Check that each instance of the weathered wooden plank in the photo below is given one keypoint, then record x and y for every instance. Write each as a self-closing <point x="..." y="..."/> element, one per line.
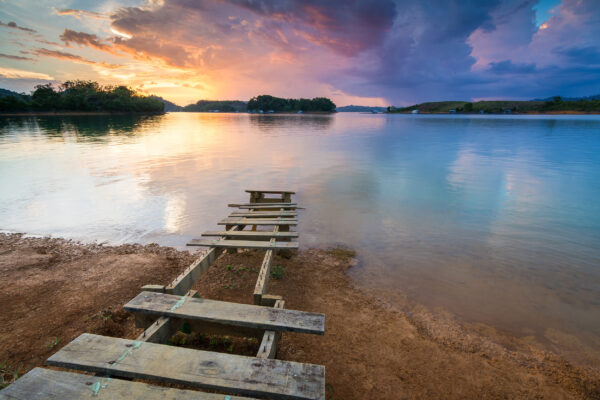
<point x="225" y="313"/>
<point x="256" y="221"/>
<point x="250" y="234"/>
<point x="268" y="345"/>
<point x="264" y="214"/>
<point x="263" y="277"/>
<point x="247" y="376"/>
<point x="270" y="191"/>
<point x="244" y="244"/>
<point x="47" y="384"/>
<point x="184" y="282"/>
<point x="161" y="329"/>
<point x="269" y="300"/>
<point x="261" y="205"/>
<point x="267" y="208"/>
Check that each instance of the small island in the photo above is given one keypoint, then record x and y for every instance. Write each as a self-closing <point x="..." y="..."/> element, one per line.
<point x="271" y="104"/>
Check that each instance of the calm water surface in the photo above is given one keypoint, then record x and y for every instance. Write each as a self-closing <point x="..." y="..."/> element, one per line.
<point x="495" y="218"/>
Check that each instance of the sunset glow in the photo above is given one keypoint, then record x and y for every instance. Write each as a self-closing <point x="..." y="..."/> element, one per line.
<point x="376" y="53"/>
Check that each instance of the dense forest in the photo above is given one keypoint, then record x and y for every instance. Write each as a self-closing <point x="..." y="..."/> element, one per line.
<point x="216" y="105"/>
<point x="80" y="96"/>
<point x="267" y="103"/>
<point x="553" y="105"/>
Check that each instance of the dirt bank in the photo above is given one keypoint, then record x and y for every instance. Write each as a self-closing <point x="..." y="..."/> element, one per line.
<point x="51" y="288"/>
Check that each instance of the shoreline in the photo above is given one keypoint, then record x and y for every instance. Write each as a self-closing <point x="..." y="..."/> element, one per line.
<point x="54" y="289"/>
<point x="512" y="113"/>
<point x="73" y="113"/>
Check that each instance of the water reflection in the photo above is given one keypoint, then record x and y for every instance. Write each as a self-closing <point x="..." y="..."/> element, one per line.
<point x="493" y="218"/>
<point x="270" y="124"/>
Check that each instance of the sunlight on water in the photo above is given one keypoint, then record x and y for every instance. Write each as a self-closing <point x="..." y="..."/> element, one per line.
<point x="495" y="218"/>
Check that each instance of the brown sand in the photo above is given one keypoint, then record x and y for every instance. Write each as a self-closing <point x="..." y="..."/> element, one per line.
<point x="52" y="288"/>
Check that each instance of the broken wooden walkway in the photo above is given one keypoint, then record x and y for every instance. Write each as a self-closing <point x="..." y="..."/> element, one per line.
<point x="162" y="309"/>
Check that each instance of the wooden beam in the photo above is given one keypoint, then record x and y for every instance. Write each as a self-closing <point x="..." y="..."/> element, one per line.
<point x="268" y="346"/>
<point x="246" y="376"/>
<point x="256" y="221"/>
<point x="44" y="384"/>
<point x="269" y="300"/>
<point x="260" y="205"/>
<point x="251" y="234"/>
<point x="264" y="214"/>
<point x="244" y="244"/>
<point x="162" y="329"/>
<point x="263" y="277"/>
<point x="270" y="191"/>
<point x="226" y="313"/>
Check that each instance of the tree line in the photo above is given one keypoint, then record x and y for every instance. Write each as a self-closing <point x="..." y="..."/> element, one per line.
<point x="267" y="103"/>
<point x="81" y="96"/>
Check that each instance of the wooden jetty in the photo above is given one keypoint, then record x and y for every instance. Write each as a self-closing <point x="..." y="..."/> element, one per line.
<point x="162" y="309"/>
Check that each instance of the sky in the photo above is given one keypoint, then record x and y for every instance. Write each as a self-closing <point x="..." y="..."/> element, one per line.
<point x="376" y="52"/>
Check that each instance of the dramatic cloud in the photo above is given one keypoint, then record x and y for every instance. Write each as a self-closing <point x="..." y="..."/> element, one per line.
<point x="82" y="38"/>
<point x="11" y="57"/>
<point x="379" y="51"/>
<point x="73" y="57"/>
<point x="13" y="25"/>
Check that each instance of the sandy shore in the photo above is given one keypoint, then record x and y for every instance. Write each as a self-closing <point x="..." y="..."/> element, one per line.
<point x="51" y="290"/>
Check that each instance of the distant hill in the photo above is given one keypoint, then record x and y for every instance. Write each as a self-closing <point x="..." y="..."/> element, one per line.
<point x="554" y="105"/>
<point x="216" y="105"/>
<point x="353" y="108"/>
<point x="169" y="107"/>
<point x="594" y="97"/>
<point x="6" y="92"/>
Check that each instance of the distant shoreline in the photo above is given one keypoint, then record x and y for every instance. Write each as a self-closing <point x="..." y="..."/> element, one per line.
<point x="512" y="113"/>
<point x="72" y="113"/>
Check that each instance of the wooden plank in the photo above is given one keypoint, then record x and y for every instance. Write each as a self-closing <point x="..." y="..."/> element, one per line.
<point x="249" y="234"/>
<point x="226" y="313"/>
<point x="269" y="300"/>
<point x="162" y="329"/>
<point x="266" y="208"/>
<point x="263" y="277"/>
<point x="253" y="221"/>
<point x="260" y="205"/>
<point x="264" y="214"/>
<point x="270" y="191"/>
<point x="244" y="244"/>
<point x="268" y="345"/>
<point x="184" y="282"/>
<point x="246" y="376"/>
<point x="47" y="384"/>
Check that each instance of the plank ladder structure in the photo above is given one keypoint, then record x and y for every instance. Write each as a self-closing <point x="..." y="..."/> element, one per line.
<point x="162" y="310"/>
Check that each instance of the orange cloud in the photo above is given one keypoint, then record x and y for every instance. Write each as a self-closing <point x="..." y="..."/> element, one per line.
<point x="79" y="13"/>
<point x="85" y="39"/>
<point x="73" y="57"/>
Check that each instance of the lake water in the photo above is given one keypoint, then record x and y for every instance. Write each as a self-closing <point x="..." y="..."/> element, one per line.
<point x="494" y="218"/>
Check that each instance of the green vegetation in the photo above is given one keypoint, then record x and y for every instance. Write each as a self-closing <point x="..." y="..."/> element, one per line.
<point x="555" y="105"/>
<point x="277" y="272"/>
<point x="216" y="106"/>
<point x="83" y="96"/>
<point x="268" y="103"/>
<point x="8" y="374"/>
<point x="52" y="343"/>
